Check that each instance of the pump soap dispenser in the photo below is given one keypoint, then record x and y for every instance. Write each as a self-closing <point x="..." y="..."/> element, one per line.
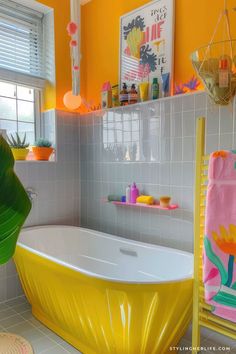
<point x="134" y="193"/>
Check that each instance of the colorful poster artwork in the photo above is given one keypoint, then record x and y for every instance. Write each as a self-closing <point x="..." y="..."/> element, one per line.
<point x="146" y="43"/>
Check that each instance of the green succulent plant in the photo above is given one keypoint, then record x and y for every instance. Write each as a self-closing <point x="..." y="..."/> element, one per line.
<point x="43" y="143"/>
<point x="17" y="142"/>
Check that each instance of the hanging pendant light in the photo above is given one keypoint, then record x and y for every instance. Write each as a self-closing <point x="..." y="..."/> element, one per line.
<point x="72" y="99"/>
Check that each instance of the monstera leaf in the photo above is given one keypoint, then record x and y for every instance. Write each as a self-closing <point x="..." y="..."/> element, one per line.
<point x="14" y="203"/>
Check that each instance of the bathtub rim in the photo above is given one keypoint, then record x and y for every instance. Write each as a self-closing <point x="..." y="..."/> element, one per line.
<point x="105" y="235"/>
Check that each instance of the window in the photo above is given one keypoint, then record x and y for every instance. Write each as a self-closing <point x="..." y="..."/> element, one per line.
<point x="21" y="39"/>
<point x="26" y="63"/>
<point x="19" y="110"/>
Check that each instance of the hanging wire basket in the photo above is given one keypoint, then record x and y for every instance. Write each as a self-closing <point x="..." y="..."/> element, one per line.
<point x="206" y="61"/>
<point x="215" y="59"/>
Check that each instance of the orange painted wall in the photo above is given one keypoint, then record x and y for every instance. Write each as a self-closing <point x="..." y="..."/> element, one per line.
<point x="195" y="22"/>
<point x="62" y="53"/>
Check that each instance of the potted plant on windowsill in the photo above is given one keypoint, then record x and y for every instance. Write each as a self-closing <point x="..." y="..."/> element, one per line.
<point x="42" y="149"/>
<point x="18" y="147"/>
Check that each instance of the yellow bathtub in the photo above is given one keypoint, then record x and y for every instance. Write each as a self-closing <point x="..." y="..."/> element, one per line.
<point x="104" y="294"/>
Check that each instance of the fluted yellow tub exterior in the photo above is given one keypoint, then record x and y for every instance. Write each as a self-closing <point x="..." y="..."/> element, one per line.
<point x="98" y="316"/>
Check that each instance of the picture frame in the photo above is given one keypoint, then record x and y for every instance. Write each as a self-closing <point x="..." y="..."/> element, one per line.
<point x="147" y="45"/>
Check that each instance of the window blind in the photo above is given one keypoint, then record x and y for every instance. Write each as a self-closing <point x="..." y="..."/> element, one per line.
<point x="21" y="39"/>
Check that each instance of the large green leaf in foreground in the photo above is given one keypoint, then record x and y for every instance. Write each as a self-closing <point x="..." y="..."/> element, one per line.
<point x="14" y="203"/>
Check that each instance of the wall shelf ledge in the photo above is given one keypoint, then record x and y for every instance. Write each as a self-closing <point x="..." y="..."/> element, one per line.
<point x="145" y="206"/>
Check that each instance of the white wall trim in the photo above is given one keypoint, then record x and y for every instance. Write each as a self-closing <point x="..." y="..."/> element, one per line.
<point x="23" y="79"/>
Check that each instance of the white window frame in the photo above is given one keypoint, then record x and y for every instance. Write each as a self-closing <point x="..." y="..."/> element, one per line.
<point x="37" y="106"/>
<point x="37" y="83"/>
<point x="21" y="79"/>
<point x="38" y="112"/>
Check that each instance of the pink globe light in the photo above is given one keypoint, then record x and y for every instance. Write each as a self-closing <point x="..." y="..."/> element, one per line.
<point x="72" y="28"/>
<point x="71" y="101"/>
<point x="73" y="43"/>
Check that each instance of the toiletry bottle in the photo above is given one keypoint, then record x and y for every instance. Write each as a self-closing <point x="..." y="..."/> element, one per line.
<point x="106" y="95"/>
<point x="165" y="84"/>
<point x="155" y="89"/>
<point x="223" y="73"/>
<point x="124" y="96"/>
<point x="134" y="193"/>
<point x="115" y="96"/>
<point x="144" y="91"/>
<point x="133" y="95"/>
<point x="127" y="194"/>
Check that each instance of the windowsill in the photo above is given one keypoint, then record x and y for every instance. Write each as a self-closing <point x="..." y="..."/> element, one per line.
<point x="34" y="161"/>
<point x="30" y="159"/>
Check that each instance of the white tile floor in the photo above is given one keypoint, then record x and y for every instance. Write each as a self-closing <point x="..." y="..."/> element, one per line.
<point x="210" y="341"/>
<point x="16" y="317"/>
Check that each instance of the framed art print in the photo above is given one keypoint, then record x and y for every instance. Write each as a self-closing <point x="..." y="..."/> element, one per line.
<point x="146" y="43"/>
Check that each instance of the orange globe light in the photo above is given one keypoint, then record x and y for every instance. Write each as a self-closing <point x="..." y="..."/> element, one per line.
<point x="71" y="101"/>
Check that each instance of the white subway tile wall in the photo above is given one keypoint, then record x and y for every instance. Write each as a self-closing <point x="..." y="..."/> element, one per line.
<point x="56" y="185"/>
<point x="152" y="144"/>
<point x="102" y="152"/>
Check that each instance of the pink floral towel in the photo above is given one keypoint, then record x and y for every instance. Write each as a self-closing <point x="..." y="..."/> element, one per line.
<point x="220" y="235"/>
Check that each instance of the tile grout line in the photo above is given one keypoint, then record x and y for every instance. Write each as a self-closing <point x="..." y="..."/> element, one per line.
<point x="45" y="335"/>
<point x="38" y="328"/>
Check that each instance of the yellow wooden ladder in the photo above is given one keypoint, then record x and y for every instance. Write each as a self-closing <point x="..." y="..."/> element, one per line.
<point x="202" y="315"/>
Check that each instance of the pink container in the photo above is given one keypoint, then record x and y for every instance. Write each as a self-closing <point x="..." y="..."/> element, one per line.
<point x="134" y="193"/>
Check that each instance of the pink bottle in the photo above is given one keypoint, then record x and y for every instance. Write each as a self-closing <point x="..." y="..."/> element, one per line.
<point x="134" y="193"/>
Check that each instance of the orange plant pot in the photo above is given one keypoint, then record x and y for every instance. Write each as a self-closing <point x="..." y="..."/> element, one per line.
<point x="42" y="153"/>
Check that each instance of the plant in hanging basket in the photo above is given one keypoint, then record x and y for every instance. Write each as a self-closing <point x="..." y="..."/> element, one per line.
<point x="211" y="70"/>
<point x="215" y="65"/>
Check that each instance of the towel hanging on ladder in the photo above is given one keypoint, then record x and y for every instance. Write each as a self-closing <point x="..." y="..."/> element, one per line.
<point x="219" y="258"/>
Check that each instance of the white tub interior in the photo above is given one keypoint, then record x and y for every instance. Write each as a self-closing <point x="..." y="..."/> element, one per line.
<point x="108" y="257"/>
